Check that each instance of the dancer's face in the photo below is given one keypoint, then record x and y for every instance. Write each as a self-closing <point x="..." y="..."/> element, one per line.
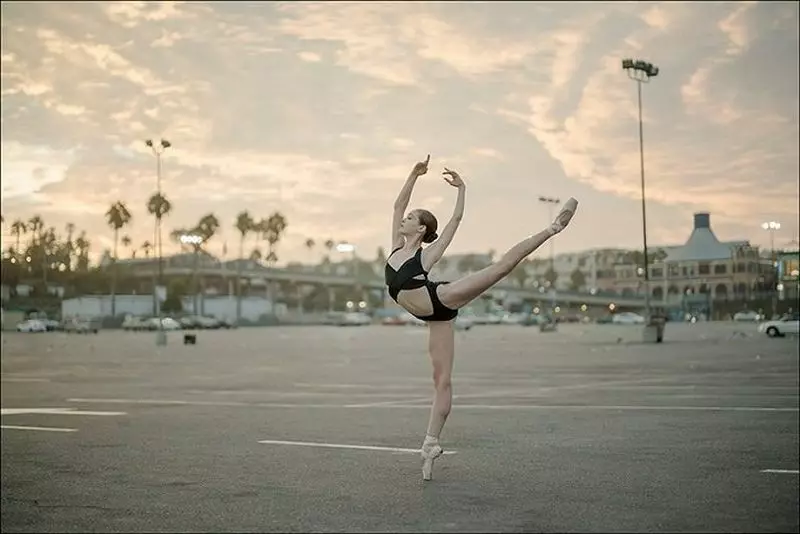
<point x="411" y="225"/>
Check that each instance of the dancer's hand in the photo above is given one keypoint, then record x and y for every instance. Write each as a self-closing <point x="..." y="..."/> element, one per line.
<point x="421" y="167"/>
<point x="454" y="179"/>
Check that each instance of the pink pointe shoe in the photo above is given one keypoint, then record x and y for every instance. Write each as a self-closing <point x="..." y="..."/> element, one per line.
<point x="429" y="452"/>
<point x="564" y="216"/>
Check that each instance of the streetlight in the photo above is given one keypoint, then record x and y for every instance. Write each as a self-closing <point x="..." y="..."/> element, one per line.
<point x="641" y="72"/>
<point x="344" y="248"/>
<point x="194" y="241"/>
<point x="158" y="149"/>
<point x="771" y="226"/>
<point x="550" y="203"/>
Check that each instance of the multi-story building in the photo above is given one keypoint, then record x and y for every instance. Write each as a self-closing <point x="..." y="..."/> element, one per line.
<point x="704" y="265"/>
<point x="789" y="275"/>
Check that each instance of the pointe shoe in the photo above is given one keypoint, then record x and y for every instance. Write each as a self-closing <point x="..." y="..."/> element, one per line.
<point x="429" y="453"/>
<point x="564" y="216"/>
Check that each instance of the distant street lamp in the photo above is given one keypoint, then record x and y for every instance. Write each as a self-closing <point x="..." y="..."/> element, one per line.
<point x="771" y="226"/>
<point x="641" y="72"/>
<point x="158" y="149"/>
<point x="550" y="203"/>
<point x="344" y="248"/>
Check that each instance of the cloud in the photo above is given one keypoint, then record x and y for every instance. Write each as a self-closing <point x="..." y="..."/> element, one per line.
<point x="310" y="57"/>
<point x="319" y="110"/>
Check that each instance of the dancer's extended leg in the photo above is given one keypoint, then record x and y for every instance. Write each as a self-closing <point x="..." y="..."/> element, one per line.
<point x="461" y="292"/>
<point x="442" y="350"/>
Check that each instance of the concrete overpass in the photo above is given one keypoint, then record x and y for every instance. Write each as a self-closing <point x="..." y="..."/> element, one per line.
<point x="372" y="282"/>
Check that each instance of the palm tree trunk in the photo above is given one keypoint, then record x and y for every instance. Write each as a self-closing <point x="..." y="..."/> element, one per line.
<point x="114" y="278"/>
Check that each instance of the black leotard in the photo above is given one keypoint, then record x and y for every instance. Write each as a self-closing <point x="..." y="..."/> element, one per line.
<point x="405" y="278"/>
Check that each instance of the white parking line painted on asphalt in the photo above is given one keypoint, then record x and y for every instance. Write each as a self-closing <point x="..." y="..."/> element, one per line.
<point x="24" y="380"/>
<point x="343" y="446"/>
<point x="782" y="471"/>
<point x="41" y="428"/>
<point x="357" y="386"/>
<point x="604" y="407"/>
<point x="54" y="411"/>
<point x="427" y="407"/>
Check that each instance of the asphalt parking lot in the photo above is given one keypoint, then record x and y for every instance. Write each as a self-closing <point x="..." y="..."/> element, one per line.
<point x="313" y="429"/>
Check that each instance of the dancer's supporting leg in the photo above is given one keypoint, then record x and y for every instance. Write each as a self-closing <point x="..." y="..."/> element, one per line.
<point x="461" y="292"/>
<point x="441" y="345"/>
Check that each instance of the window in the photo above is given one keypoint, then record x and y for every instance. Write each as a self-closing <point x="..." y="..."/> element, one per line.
<point x="674" y="270"/>
<point x="720" y="269"/>
<point x="704" y="268"/>
<point x="657" y="272"/>
<point x="740" y="268"/>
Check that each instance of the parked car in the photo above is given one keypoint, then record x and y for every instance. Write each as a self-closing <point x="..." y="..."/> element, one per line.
<point x="81" y="326"/>
<point x="749" y="316"/>
<point x="190" y="322"/>
<point x="167" y="323"/>
<point x="52" y="325"/>
<point x="32" y="325"/>
<point x="354" y="319"/>
<point x="463" y="322"/>
<point x="788" y="324"/>
<point x="135" y="324"/>
<point x="627" y="318"/>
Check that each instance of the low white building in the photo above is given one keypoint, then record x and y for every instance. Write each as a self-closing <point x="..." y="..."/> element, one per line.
<point x="142" y="305"/>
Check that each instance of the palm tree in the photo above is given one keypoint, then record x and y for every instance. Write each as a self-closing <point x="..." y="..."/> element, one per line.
<point x="18" y="228"/>
<point x="206" y="228"/>
<point x="244" y="223"/>
<point x="275" y="227"/>
<point x="117" y="217"/>
<point x="83" y="245"/>
<point x="146" y="248"/>
<point x="126" y="242"/>
<point x="329" y="246"/>
<point x="310" y="246"/>
<point x="70" y="227"/>
<point x="158" y="206"/>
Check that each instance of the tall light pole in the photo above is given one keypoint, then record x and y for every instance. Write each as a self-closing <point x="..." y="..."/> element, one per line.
<point x="158" y="149"/>
<point x="550" y="203"/>
<point x="349" y="247"/>
<point x="641" y="72"/>
<point x="771" y="226"/>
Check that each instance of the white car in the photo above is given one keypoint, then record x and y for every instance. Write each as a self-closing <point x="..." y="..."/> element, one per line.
<point x="788" y="324"/>
<point x="627" y="318"/>
<point x="748" y="316"/>
<point x="167" y="323"/>
<point x="32" y="325"/>
<point x="354" y="319"/>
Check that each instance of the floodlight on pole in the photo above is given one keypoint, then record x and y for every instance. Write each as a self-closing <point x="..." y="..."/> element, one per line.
<point x="158" y="149"/>
<point x="641" y="72"/>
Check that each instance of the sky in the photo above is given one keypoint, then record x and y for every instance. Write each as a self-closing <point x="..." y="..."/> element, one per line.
<point x="320" y="110"/>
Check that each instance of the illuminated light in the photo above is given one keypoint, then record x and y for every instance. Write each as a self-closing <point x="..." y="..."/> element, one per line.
<point x="191" y="239"/>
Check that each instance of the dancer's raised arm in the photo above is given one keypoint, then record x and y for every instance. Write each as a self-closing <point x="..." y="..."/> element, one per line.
<point x="403" y="198"/>
<point x="434" y="252"/>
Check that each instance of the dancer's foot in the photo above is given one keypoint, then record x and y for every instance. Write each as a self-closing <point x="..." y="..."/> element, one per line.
<point x="429" y="452"/>
<point x="564" y="216"/>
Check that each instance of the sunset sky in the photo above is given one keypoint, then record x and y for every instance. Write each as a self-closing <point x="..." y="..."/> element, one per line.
<point x="319" y="110"/>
